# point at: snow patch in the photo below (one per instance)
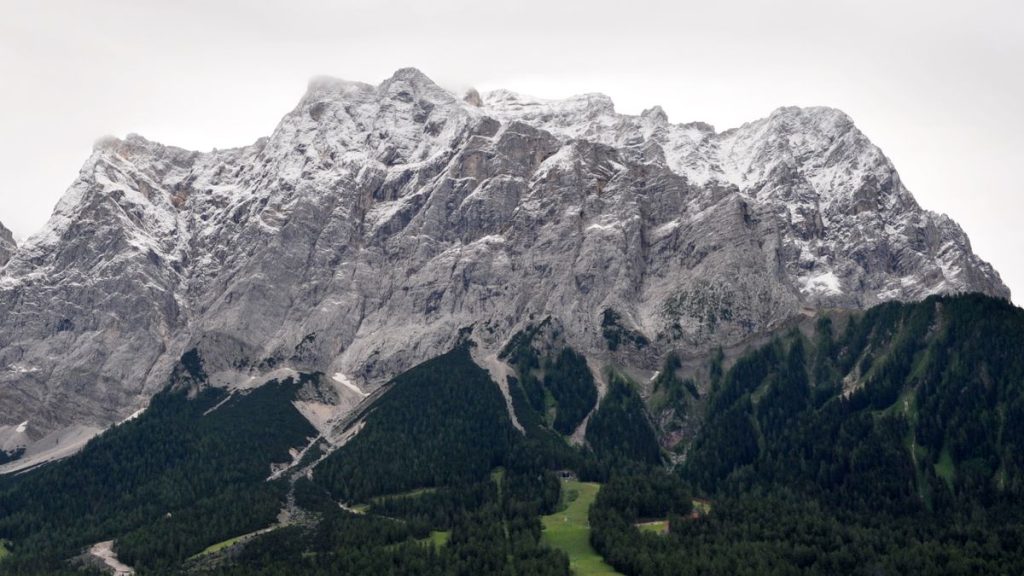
(347, 383)
(665, 229)
(890, 294)
(21, 369)
(22, 427)
(826, 283)
(605, 228)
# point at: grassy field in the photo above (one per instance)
(4, 551)
(569, 529)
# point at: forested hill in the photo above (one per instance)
(188, 472)
(887, 442)
(906, 406)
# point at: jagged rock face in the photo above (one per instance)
(377, 221)
(7, 244)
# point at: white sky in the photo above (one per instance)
(939, 85)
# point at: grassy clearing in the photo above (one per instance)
(407, 494)
(364, 507)
(659, 527)
(232, 541)
(5, 551)
(550, 408)
(221, 545)
(438, 538)
(569, 529)
(945, 468)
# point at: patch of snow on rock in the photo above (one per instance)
(347, 383)
(826, 283)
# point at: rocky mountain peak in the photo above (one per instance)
(377, 222)
(472, 97)
(412, 75)
(411, 85)
(655, 114)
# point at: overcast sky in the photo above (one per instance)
(939, 85)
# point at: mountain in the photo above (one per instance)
(377, 222)
(7, 244)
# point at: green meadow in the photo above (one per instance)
(569, 529)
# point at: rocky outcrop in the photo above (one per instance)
(7, 244)
(378, 221)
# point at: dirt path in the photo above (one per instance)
(104, 551)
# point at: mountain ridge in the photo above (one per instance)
(376, 222)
